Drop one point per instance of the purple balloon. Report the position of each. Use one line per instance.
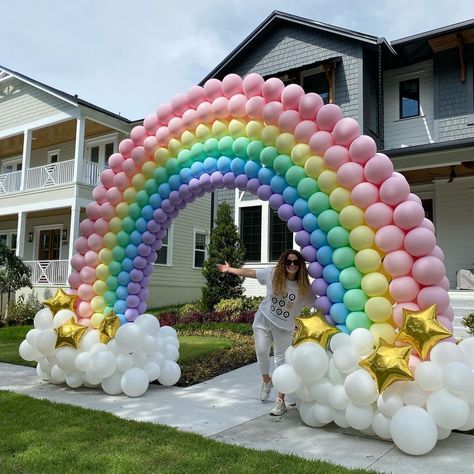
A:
(157, 245)
(200, 193)
(132, 301)
(229, 180)
(148, 237)
(133, 288)
(205, 179)
(319, 287)
(151, 258)
(302, 238)
(241, 182)
(264, 192)
(285, 211)
(323, 304)
(175, 197)
(146, 279)
(141, 307)
(217, 179)
(131, 314)
(143, 294)
(184, 191)
(190, 199)
(329, 319)
(315, 269)
(136, 275)
(309, 253)
(167, 223)
(275, 201)
(144, 250)
(167, 206)
(195, 185)
(253, 185)
(173, 214)
(139, 262)
(295, 223)
(153, 226)
(161, 233)
(160, 216)
(181, 205)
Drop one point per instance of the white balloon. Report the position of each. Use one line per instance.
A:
(46, 341)
(153, 370)
(160, 344)
(148, 323)
(43, 319)
(447, 410)
(171, 353)
(91, 377)
(307, 415)
(139, 359)
(166, 331)
(362, 341)
(359, 417)
(340, 339)
(157, 357)
(170, 373)
(124, 362)
(323, 413)
(41, 374)
(446, 352)
(74, 379)
(90, 339)
(381, 426)
(57, 375)
(172, 341)
(334, 374)
(63, 316)
(321, 391)
(129, 337)
(285, 379)
(360, 387)
(112, 385)
(346, 359)
(148, 345)
(45, 366)
(429, 376)
(31, 336)
(112, 346)
(305, 392)
(82, 361)
(340, 418)
(65, 358)
(134, 382)
(28, 352)
(103, 363)
(98, 347)
(338, 398)
(413, 430)
(389, 403)
(458, 378)
(467, 348)
(443, 433)
(310, 361)
(413, 395)
(289, 354)
(469, 425)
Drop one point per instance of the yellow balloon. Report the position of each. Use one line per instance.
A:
(102, 271)
(378, 309)
(367, 260)
(254, 129)
(327, 181)
(96, 320)
(110, 239)
(285, 143)
(219, 129)
(122, 210)
(162, 155)
(374, 284)
(115, 224)
(351, 217)
(270, 134)
(188, 139)
(203, 132)
(105, 256)
(300, 154)
(148, 168)
(236, 128)
(174, 146)
(383, 330)
(130, 195)
(138, 181)
(362, 237)
(99, 286)
(339, 198)
(98, 304)
(314, 166)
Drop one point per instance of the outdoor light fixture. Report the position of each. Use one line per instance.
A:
(30, 237)
(64, 234)
(452, 175)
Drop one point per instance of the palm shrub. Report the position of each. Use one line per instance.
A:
(468, 323)
(224, 246)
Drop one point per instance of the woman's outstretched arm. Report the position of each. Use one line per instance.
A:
(241, 272)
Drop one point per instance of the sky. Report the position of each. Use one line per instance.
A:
(130, 56)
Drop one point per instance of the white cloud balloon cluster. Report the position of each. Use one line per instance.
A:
(332, 387)
(140, 353)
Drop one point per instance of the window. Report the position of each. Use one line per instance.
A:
(409, 98)
(251, 231)
(428, 207)
(53, 156)
(99, 151)
(199, 248)
(281, 238)
(11, 165)
(8, 238)
(320, 80)
(163, 253)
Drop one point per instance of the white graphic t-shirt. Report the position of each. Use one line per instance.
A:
(282, 309)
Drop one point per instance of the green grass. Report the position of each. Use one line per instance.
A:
(10, 339)
(39, 436)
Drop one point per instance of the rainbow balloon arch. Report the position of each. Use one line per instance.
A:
(393, 369)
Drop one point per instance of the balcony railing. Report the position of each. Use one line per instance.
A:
(49, 176)
(48, 272)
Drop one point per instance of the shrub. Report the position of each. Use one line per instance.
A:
(23, 312)
(230, 305)
(468, 323)
(252, 303)
(189, 308)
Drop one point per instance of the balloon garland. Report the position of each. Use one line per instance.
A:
(370, 250)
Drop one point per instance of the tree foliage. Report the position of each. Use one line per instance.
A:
(224, 246)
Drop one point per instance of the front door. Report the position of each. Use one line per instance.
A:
(49, 244)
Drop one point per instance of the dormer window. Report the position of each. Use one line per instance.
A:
(321, 80)
(409, 98)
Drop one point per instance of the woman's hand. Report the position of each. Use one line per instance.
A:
(223, 267)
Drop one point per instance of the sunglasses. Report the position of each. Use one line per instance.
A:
(289, 262)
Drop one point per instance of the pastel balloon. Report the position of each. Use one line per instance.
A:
(408, 214)
(288, 120)
(378, 215)
(362, 149)
(327, 117)
(431, 295)
(309, 105)
(254, 107)
(378, 309)
(272, 112)
(304, 130)
(252, 85)
(378, 169)
(350, 175)
(368, 260)
(291, 96)
(362, 237)
(419, 242)
(320, 142)
(404, 288)
(272, 89)
(389, 238)
(365, 194)
(394, 190)
(428, 270)
(237, 105)
(346, 131)
(398, 263)
(336, 156)
(374, 284)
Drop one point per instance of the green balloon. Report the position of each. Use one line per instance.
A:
(112, 283)
(128, 224)
(160, 175)
(150, 186)
(338, 237)
(319, 202)
(110, 297)
(358, 319)
(268, 155)
(211, 148)
(350, 278)
(294, 175)
(355, 300)
(118, 253)
(115, 268)
(307, 187)
(328, 219)
(142, 199)
(225, 146)
(134, 211)
(282, 164)
(198, 153)
(123, 239)
(240, 147)
(343, 257)
(172, 166)
(255, 149)
(185, 157)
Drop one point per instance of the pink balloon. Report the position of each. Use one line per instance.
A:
(84, 309)
(190, 119)
(138, 134)
(195, 96)
(77, 262)
(88, 275)
(115, 162)
(272, 89)
(398, 311)
(309, 106)
(398, 263)
(114, 196)
(130, 168)
(346, 131)
(305, 130)
(378, 169)
(328, 116)
(176, 127)
(394, 190)
(419, 242)
(444, 283)
(288, 120)
(163, 136)
(95, 242)
(414, 198)
(86, 322)
(362, 149)
(350, 175)
(335, 156)
(204, 112)
(431, 295)
(220, 107)
(126, 146)
(254, 107)
(231, 85)
(448, 313)
(213, 89)
(179, 104)
(85, 292)
(107, 210)
(91, 258)
(81, 245)
(427, 224)
(403, 289)
(389, 238)
(252, 85)
(107, 178)
(237, 105)
(379, 214)
(139, 156)
(320, 142)
(413, 362)
(447, 323)
(438, 253)
(272, 112)
(365, 194)
(122, 181)
(408, 214)
(164, 112)
(428, 270)
(74, 280)
(291, 96)
(151, 124)
(86, 227)
(93, 210)
(150, 144)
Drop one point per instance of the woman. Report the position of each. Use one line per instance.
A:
(288, 290)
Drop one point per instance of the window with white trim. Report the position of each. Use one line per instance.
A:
(165, 252)
(11, 165)
(280, 237)
(99, 150)
(8, 238)
(200, 246)
(53, 156)
(251, 231)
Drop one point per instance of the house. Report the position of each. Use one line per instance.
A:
(53, 146)
(414, 96)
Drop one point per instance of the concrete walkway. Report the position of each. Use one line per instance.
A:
(227, 409)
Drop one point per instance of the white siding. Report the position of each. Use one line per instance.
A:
(414, 130)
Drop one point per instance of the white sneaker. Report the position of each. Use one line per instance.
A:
(279, 408)
(265, 390)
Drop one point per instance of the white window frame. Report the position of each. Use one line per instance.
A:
(51, 153)
(11, 161)
(169, 253)
(101, 142)
(9, 233)
(36, 232)
(206, 243)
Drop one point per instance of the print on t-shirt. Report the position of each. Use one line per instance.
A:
(281, 307)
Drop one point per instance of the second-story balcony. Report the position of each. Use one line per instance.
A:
(48, 176)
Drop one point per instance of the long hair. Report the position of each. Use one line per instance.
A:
(279, 275)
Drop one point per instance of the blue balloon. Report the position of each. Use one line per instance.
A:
(301, 207)
(185, 175)
(324, 255)
(136, 237)
(223, 164)
(120, 306)
(290, 195)
(123, 277)
(127, 264)
(174, 182)
(210, 165)
(343, 328)
(131, 251)
(122, 318)
(155, 201)
(141, 224)
(335, 292)
(318, 238)
(121, 292)
(331, 273)
(147, 212)
(164, 190)
(251, 169)
(310, 222)
(339, 313)
(265, 175)
(237, 166)
(278, 184)
(197, 169)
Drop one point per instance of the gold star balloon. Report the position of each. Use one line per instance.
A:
(108, 327)
(314, 329)
(70, 334)
(388, 364)
(61, 300)
(422, 330)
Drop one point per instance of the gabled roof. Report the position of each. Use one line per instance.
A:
(72, 99)
(278, 17)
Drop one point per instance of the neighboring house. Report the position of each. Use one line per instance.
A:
(414, 96)
(52, 148)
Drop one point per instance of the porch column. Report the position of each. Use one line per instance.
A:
(73, 230)
(21, 235)
(79, 147)
(25, 162)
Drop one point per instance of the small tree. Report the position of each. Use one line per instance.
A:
(224, 246)
(14, 274)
